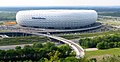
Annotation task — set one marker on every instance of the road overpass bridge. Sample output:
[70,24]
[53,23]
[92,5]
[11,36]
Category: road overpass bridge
[77,48]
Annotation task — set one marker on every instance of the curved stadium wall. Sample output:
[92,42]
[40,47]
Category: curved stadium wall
[60,19]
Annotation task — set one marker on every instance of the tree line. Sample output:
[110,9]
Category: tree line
[101,42]
[38,52]
[7,16]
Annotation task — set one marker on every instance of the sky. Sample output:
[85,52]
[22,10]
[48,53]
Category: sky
[59,3]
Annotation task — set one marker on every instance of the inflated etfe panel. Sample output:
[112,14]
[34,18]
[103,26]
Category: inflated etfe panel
[56,18]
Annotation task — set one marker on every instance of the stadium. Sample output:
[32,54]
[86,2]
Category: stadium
[56,19]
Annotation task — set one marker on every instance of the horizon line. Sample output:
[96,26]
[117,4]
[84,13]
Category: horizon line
[65,6]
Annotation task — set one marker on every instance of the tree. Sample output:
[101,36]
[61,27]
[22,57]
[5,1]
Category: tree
[88,42]
[103,45]
[49,44]
[27,46]
[18,47]
[11,54]
[111,44]
[48,53]
[55,57]
[2,54]
[71,59]
[37,45]
[65,50]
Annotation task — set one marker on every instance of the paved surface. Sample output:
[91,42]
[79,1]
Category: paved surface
[22,45]
[19,28]
[78,49]
[91,49]
[75,40]
[12,46]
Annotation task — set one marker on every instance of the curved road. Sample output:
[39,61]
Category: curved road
[78,49]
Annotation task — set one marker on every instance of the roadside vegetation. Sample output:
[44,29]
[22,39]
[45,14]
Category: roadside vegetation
[85,35]
[22,40]
[39,52]
[48,52]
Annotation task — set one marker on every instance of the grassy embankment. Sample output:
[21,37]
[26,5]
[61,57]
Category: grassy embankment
[22,40]
[83,35]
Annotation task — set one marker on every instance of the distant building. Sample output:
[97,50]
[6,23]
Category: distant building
[60,19]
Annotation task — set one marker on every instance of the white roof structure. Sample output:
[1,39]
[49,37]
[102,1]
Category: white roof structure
[56,18]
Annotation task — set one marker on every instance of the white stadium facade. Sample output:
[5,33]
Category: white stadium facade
[56,19]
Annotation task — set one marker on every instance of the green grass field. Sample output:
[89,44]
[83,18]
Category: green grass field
[75,36]
[102,53]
